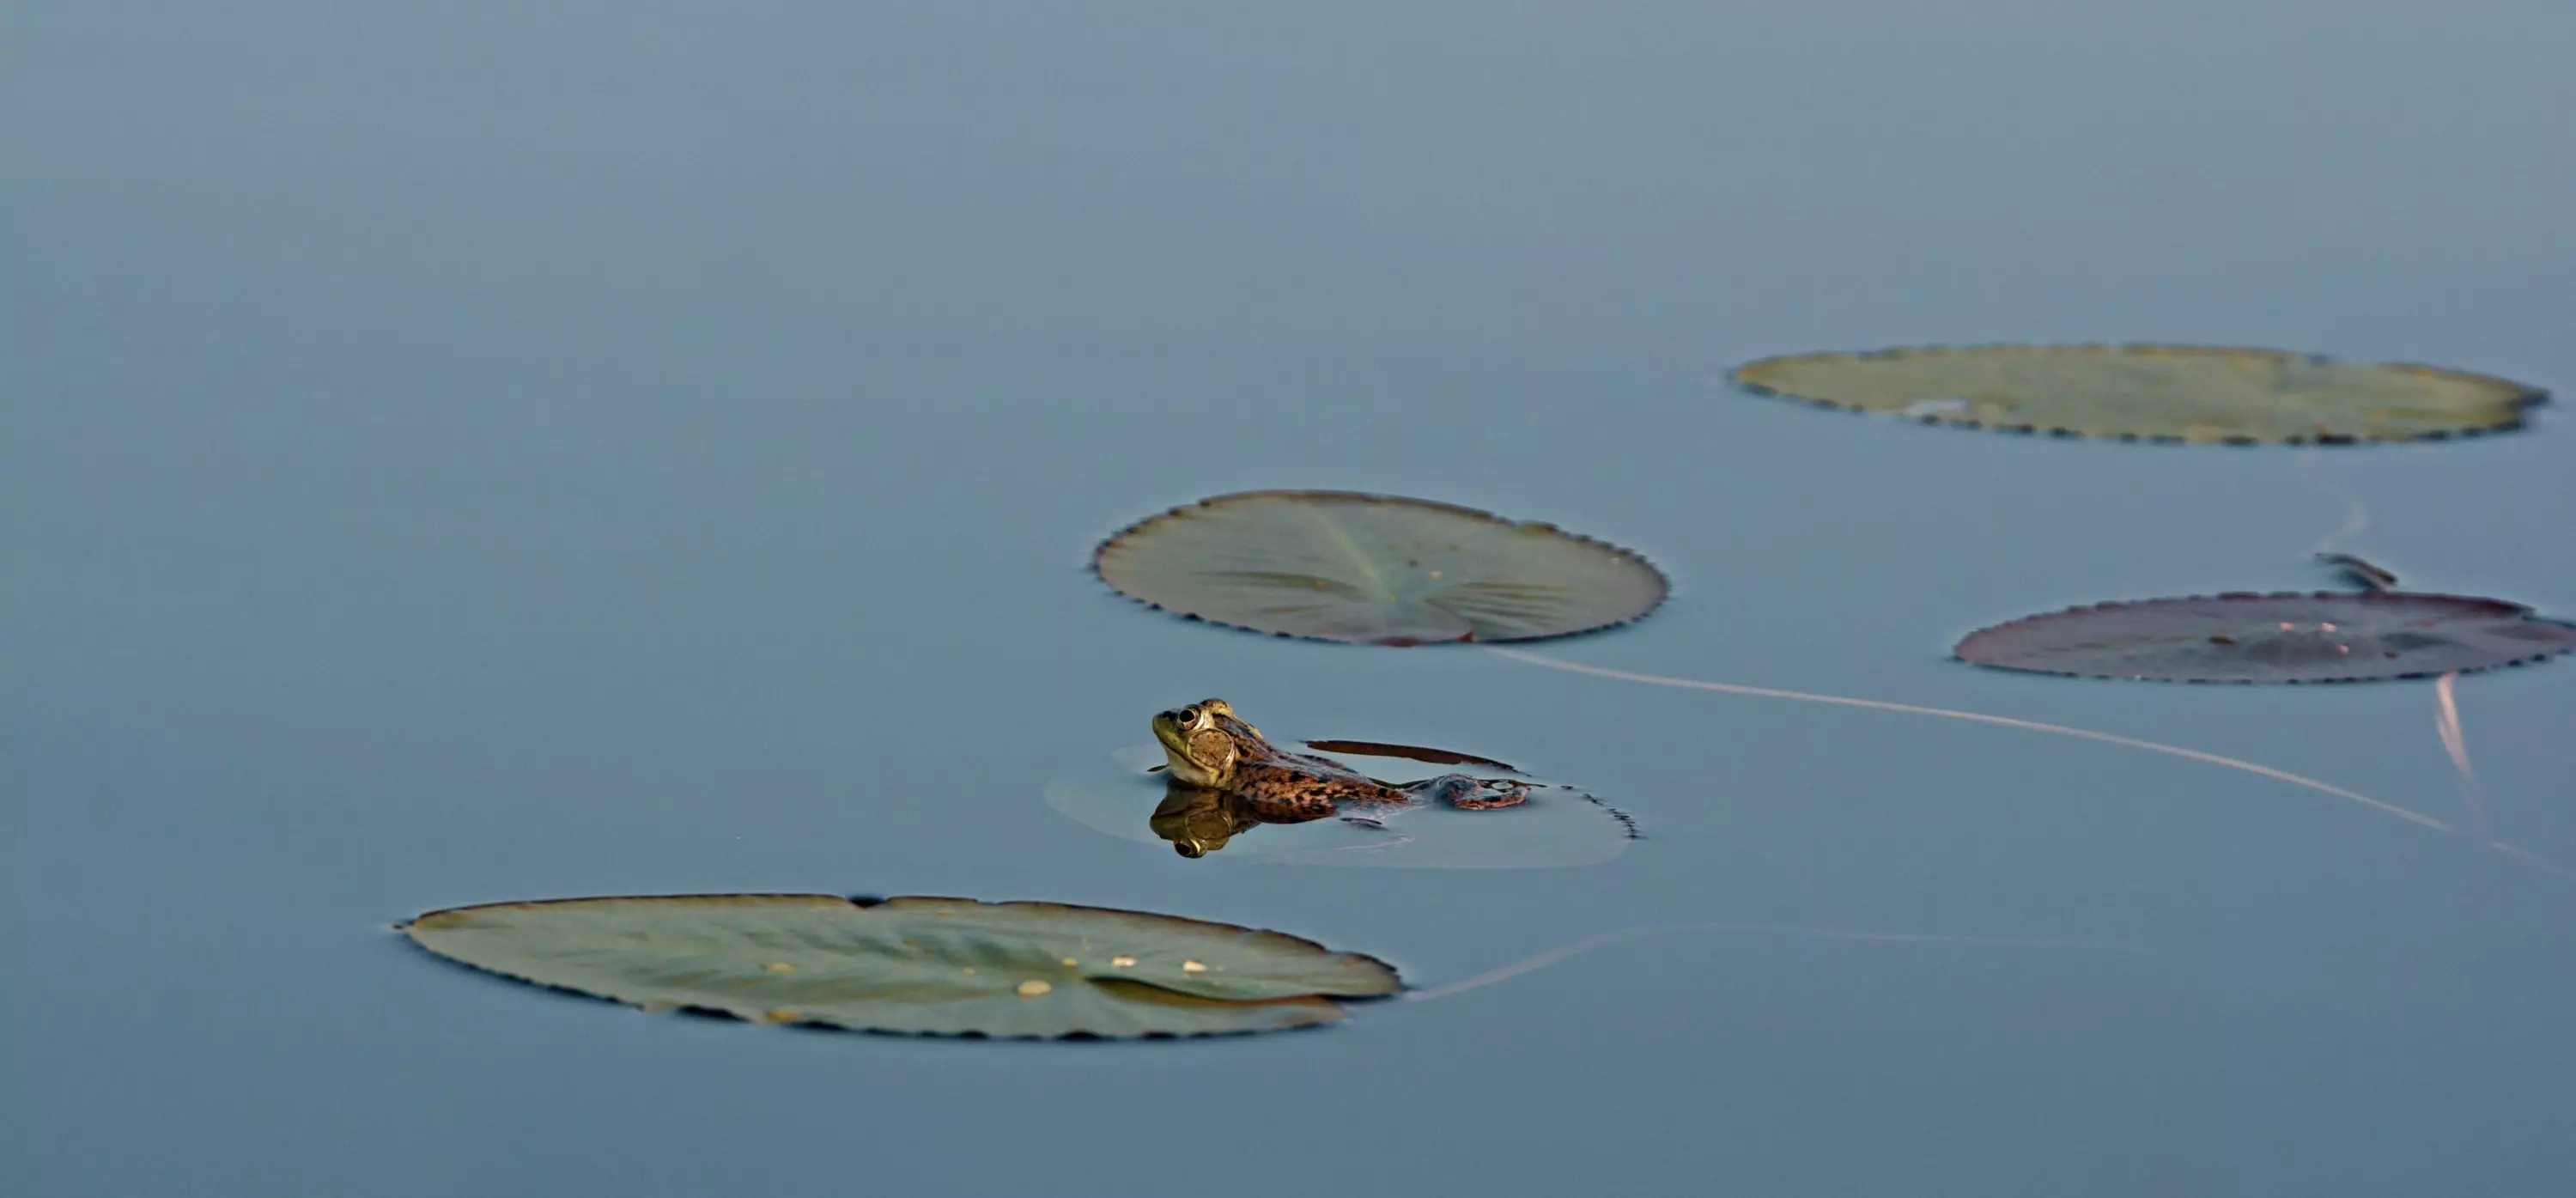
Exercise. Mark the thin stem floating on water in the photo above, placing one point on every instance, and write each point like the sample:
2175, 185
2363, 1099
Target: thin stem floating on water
1975, 717
1764, 692
2446, 724
1577, 948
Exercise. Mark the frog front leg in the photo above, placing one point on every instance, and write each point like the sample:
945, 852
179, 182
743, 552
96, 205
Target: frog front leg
1470, 794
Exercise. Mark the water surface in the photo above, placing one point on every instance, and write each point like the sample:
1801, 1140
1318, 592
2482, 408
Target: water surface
473, 452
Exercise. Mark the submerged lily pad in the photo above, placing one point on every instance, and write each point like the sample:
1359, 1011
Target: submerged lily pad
1373, 748
2154, 392
1558, 825
2287, 637
1375, 569
935, 966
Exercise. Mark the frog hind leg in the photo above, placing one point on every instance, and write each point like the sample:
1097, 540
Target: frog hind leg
1471, 794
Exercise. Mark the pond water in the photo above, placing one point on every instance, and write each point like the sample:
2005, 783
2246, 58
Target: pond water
471, 452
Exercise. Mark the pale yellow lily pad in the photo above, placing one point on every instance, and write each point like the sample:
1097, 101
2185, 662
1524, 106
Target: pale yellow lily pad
933, 966
1375, 569
2199, 394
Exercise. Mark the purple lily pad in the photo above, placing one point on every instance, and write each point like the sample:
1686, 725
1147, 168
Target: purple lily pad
2285, 637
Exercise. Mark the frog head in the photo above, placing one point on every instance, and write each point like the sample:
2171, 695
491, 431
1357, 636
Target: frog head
1198, 744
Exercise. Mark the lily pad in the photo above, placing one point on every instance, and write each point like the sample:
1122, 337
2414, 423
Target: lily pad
933, 966
2286, 637
2152, 392
1558, 826
1375, 569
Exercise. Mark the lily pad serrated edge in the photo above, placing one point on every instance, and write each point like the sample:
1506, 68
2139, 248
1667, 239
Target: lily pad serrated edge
1663, 581
2524, 396
2523, 609
864, 901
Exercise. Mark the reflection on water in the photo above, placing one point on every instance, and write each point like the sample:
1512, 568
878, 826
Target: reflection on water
1554, 826
1198, 821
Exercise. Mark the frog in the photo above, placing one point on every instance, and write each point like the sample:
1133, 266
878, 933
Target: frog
1209, 747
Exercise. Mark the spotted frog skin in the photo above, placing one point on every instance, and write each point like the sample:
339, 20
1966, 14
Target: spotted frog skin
1211, 748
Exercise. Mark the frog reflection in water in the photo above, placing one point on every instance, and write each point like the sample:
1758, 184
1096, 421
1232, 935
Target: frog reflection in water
1226, 778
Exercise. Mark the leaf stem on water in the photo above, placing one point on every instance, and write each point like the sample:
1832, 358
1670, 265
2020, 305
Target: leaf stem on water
1605, 939
1976, 717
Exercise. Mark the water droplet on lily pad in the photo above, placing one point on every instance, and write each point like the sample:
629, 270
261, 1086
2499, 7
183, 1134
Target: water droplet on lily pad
1558, 826
909, 964
2152, 392
1374, 569
2287, 637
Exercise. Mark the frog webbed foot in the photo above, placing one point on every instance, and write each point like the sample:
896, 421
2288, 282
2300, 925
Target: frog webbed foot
1471, 794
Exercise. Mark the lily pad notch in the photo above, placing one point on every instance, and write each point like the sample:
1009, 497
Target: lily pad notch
2165, 393
913, 965
1375, 570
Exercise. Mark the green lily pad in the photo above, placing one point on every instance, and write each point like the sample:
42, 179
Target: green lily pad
1558, 826
931, 966
2152, 392
1375, 570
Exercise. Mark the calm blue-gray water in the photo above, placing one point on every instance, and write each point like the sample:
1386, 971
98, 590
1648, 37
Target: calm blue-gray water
465, 452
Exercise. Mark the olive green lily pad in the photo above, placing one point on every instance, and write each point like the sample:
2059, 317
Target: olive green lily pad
931, 966
2152, 392
1375, 569
1558, 826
